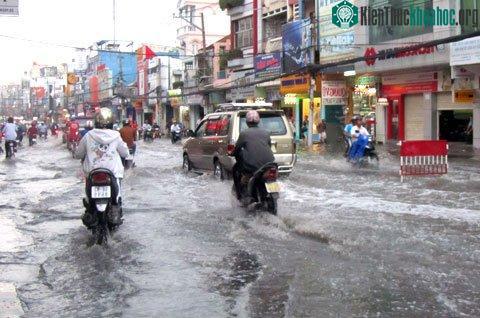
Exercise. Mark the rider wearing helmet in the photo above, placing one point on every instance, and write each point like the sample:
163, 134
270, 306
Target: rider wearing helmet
87, 128
252, 150
103, 147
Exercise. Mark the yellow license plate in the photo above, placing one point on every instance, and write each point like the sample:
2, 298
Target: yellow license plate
272, 187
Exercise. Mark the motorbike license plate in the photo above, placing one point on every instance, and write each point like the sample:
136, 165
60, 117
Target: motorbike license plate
101, 192
272, 187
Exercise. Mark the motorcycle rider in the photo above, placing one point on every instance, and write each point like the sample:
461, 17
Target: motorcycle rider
102, 147
43, 129
175, 129
358, 130
9, 131
87, 128
72, 133
32, 132
21, 130
346, 135
129, 135
252, 150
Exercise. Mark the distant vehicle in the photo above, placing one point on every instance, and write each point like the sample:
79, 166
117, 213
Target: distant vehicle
209, 146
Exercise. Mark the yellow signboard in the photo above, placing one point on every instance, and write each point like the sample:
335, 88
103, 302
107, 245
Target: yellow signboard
465, 96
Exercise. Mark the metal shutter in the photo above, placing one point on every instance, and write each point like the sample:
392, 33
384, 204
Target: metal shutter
414, 117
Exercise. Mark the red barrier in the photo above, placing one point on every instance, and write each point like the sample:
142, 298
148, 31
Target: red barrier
423, 157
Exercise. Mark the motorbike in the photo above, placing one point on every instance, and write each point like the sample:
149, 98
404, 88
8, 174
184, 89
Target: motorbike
11, 149
176, 136
128, 162
370, 156
32, 140
261, 190
149, 135
73, 147
102, 192
156, 133
43, 135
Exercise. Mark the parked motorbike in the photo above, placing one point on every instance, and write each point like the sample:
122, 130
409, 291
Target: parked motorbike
176, 136
11, 149
103, 215
260, 191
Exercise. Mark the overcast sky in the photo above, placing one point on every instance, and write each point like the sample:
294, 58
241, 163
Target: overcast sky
78, 23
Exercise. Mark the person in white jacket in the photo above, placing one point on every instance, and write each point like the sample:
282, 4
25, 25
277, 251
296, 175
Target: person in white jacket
103, 147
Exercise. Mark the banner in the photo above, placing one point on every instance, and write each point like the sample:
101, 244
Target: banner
296, 40
268, 65
9, 7
334, 93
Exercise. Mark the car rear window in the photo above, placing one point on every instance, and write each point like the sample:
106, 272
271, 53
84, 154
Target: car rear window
218, 126
273, 123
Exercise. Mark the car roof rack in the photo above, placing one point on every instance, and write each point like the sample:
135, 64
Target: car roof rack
243, 106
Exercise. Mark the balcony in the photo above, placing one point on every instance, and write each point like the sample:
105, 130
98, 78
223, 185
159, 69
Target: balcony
273, 45
229, 4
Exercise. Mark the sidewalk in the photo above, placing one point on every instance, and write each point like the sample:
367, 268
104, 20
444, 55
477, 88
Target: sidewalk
456, 150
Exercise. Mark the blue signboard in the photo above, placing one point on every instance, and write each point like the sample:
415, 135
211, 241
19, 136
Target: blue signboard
296, 40
268, 65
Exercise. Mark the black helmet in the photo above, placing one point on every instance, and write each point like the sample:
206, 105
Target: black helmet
104, 118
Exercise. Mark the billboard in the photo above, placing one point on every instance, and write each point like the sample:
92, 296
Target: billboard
9, 7
297, 41
268, 65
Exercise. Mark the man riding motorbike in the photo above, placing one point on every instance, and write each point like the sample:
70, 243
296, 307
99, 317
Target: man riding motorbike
252, 150
9, 131
43, 130
358, 144
32, 133
176, 131
87, 128
102, 147
129, 136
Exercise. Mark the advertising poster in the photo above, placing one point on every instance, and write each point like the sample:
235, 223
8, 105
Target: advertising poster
296, 45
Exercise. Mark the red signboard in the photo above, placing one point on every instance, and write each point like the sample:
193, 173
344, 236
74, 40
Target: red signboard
424, 148
94, 89
39, 92
400, 89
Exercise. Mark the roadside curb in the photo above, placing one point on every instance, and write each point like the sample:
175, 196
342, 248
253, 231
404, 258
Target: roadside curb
10, 305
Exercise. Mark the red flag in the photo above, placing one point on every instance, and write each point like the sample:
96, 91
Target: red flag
149, 54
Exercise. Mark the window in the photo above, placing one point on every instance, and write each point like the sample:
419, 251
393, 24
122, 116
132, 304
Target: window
379, 34
470, 5
273, 123
243, 32
218, 126
200, 132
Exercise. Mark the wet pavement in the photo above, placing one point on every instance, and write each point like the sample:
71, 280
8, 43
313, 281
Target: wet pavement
346, 242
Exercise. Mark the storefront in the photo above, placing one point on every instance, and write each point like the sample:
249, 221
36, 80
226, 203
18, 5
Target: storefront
296, 103
464, 113
365, 95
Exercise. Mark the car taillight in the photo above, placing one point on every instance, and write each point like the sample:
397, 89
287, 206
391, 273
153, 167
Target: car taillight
230, 149
101, 178
271, 174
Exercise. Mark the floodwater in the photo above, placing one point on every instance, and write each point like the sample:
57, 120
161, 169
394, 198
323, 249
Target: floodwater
346, 242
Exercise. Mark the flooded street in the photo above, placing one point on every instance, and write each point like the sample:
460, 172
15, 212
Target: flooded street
346, 243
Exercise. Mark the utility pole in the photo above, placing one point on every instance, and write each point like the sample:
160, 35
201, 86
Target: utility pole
310, 55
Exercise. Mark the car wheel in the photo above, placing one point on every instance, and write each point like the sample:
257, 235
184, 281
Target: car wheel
218, 171
187, 166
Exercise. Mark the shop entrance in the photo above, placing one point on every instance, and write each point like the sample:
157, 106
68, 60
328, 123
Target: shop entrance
455, 125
